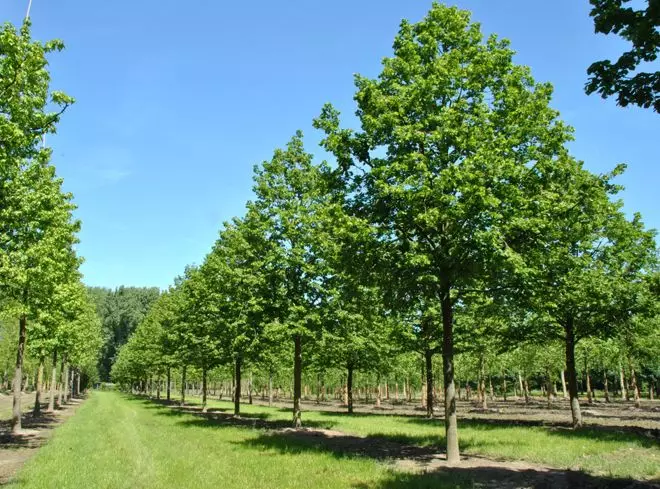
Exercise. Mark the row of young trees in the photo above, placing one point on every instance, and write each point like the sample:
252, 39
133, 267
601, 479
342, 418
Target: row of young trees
453, 221
40, 283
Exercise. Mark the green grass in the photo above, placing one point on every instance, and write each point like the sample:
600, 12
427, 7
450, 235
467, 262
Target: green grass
115, 441
597, 451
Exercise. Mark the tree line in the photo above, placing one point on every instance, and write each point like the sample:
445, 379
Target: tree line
46, 314
452, 222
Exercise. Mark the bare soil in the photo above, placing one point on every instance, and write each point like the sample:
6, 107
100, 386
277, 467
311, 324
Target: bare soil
15, 450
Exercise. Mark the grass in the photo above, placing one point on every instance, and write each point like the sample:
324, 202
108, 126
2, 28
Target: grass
603, 452
115, 441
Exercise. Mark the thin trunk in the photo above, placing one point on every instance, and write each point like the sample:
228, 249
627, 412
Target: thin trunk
504, 386
270, 387
423, 382
67, 390
396, 391
237, 382
61, 382
526, 386
53, 384
482, 382
522, 388
204, 389
590, 393
572, 376
18, 375
183, 385
563, 384
549, 388
428, 356
37, 398
633, 385
349, 389
451, 423
250, 388
605, 386
297, 381
622, 379
169, 380
378, 393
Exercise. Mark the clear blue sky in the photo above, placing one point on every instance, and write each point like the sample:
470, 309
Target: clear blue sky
177, 100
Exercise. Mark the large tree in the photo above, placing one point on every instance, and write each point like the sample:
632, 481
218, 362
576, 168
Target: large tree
452, 135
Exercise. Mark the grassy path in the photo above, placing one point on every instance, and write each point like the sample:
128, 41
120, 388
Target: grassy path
118, 442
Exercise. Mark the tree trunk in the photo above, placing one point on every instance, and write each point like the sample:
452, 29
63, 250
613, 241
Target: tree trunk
250, 388
297, 381
451, 423
349, 390
522, 387
563, 384
270, 387
53, 384
183, 385
633, 385
67, 387
169, 381
37, 397
428, 357
78, 384
482, 382
622, 379
549, 388
423, 382
396, 391
204, 389
378, 393
605, 386
237, 382
504, 388
572, 376
18, 375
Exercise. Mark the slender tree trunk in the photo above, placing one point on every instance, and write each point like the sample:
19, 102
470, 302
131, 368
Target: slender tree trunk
378, 393
78, 384
297, 381
622, 379
428, 357
237, 382
572, 376
250, 388
37, 397
590, 399
204, 389
563, 384
482, 382
183, 385
522, 387
396, 391
606, 387
53, 385
270, 387
18, 375
633, 385
67, 380
423, 382
549, 388
504, 388
169, 381
349, 389
451, 423
60, 391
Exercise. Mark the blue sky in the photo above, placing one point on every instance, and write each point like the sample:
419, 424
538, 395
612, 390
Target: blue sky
176, 101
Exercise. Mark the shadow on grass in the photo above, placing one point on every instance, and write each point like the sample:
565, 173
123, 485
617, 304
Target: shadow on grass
218, 417
9, 441
647, 438
497, 477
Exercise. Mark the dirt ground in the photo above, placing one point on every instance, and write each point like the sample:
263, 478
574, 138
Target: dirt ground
15, 450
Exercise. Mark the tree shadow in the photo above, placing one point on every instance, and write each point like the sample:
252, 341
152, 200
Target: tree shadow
29, 439
647, 437
503, 478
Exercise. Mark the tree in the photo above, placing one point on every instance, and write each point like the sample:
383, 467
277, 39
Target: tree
621, 78
453, 132
290, 192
